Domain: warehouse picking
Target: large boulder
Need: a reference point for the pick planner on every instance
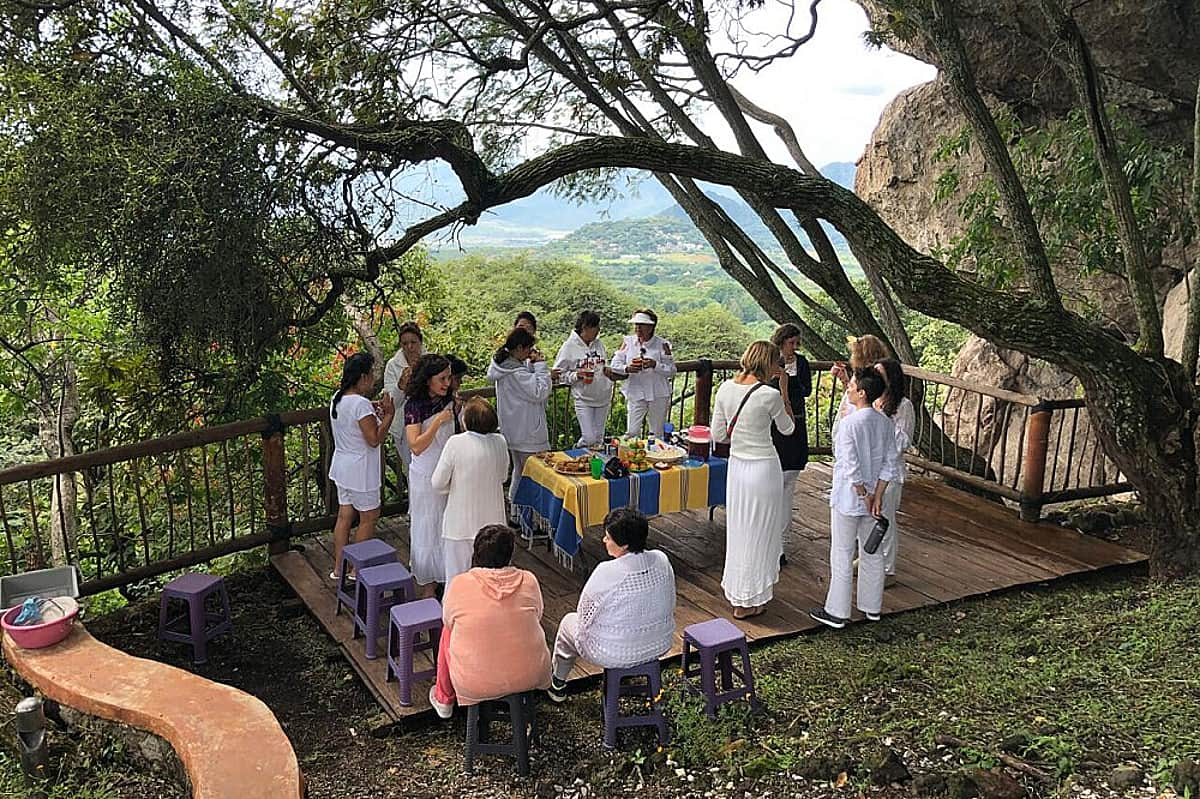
(1175, 309)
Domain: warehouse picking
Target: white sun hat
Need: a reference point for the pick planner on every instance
(640, 318)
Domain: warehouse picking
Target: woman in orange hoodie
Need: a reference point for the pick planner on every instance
(492, 641)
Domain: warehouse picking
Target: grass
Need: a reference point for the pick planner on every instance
(1083, 675)
(1073, 678)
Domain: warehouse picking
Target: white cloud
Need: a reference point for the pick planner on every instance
(832, 90)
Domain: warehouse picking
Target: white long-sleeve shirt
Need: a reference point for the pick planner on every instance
(752, 433)
(864, 452)
(522, 390)
(905, 422)
(472, 470)
(627, 610)
(648, 384)
(572, 356)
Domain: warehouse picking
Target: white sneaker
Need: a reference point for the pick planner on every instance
(443, 709)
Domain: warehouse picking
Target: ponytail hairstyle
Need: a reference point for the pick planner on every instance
(897, 384)
(357, 365)
(426, 367)
(588, 318)
(517, 337)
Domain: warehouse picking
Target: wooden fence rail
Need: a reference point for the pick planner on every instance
(130, 513)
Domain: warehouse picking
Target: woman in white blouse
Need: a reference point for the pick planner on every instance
(359, 427)
(647, 361)
(743, 412)
(626, 612)
(522, 390)
(583, 365)
(895, 405)
(396, 375)
(471, 471)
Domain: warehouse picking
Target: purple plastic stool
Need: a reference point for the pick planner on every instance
(195, 589)
(614, 690)
(379, 588)
(406, 622)
(716, 641)
(371, 552)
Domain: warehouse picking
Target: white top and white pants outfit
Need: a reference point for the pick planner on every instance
(391, 384)
(522, 390)
(592, 400)
(864, 451)
(355, 467)
(905, 421)
(471, 471)
(625, 617)
(648, 392)
(754, 517)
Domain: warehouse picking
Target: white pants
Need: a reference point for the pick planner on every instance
(891, 541)
(788, 497)
(518, 467)
(566, 651)
(591, 424)
(639, 411)
(848, 534)
(456, 557)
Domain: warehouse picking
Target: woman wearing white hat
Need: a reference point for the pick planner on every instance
(646, 359)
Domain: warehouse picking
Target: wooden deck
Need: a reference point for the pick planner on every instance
(952, 545)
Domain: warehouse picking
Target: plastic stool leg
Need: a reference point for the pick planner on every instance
(197, 622)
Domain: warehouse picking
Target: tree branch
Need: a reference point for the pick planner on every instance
(1191, 333)
(1133, 247)
(956, 67)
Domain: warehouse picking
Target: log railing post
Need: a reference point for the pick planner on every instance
(702, 410)
(1037, 442)
(274, 465)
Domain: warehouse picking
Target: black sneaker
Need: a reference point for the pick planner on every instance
(829, 620)
(558, 690)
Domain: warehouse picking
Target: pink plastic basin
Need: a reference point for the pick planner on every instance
(38, 636)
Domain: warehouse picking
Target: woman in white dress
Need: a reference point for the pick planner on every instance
(583, 365)
(895, 405)
(359, 427)
(522, 390)
(428, 425)
(743, 412)
(396, 375)
(471, 472)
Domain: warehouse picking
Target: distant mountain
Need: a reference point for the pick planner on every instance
(544, 217)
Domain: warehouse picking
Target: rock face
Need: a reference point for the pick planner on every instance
(996, 429)
(1149, 55)
(1148, 51)
(1175, 315)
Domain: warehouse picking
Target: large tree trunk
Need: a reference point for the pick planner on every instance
(56, 420)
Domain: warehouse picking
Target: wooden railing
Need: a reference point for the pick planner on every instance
(129, 513)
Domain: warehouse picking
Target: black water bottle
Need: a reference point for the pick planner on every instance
(876, 537)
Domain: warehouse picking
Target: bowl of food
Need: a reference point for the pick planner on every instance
(58, 614)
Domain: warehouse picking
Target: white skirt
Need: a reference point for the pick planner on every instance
(426, 508)
(457, 554)
(754, 522)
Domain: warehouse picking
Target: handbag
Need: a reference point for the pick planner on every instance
(721, 448)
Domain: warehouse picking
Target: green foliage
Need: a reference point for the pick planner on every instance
(1058, 166)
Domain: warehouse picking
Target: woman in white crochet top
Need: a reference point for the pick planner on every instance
(626, 613)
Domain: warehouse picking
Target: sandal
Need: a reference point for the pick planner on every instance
(758, 611)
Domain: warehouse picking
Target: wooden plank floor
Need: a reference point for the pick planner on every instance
(952, 545)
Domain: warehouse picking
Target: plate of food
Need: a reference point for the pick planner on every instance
(662, 466)
(662, 452)
(576, 466)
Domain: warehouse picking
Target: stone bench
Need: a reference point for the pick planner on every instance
(229, 742)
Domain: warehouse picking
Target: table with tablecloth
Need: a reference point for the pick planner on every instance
(563, 506)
